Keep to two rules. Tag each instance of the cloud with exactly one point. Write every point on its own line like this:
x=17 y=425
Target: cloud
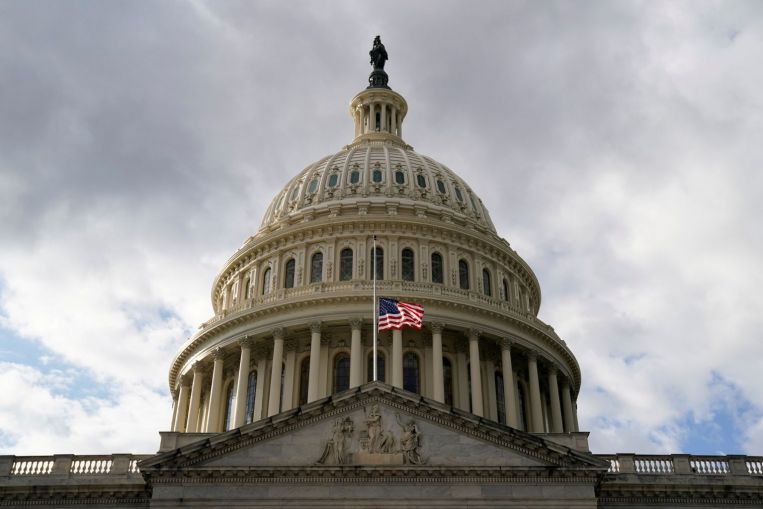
x=616 y=146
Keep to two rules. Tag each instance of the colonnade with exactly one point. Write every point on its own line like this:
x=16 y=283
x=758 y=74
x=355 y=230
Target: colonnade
x=553 y=411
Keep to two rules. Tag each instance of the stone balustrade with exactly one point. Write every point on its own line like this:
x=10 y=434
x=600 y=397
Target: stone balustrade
x=684 y=464
x=71 y=466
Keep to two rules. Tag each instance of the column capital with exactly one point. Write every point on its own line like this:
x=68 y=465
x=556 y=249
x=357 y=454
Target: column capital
x=185 y=379
x=473 y=334
x=246 y=342
x=260 y=351
x=436 y=327
x=565 y=382
x=290 y=344
x=356 y=323
x=551 y=368
x=506 y=343
x=218 y=354
x=278 y=333
x=532 y=355
x=198 y=367
x=315 y=327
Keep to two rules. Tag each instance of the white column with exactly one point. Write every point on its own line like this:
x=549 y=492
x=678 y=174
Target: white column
x=397 y=358
x=556 y=407
x=182 y=406
x=356 y=354
x=383 y=117
x=535 y=405
x=313 y=391
x=193 y=409
x=274 y=400
x=175 y=396
x=371 y=118
x=239 y=416
x=215 y=395
x=438 y=382
x=393 y=123
x=474 y=371
x=569 y=421
x=509 y=393
x=259 y=392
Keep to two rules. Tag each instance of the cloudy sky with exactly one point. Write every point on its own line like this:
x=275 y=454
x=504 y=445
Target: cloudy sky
x=616 y=144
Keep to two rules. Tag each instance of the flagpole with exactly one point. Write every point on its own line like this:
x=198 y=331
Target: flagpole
x=376 y=313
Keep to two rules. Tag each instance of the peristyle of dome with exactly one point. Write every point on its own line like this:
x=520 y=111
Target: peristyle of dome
x=293 y=306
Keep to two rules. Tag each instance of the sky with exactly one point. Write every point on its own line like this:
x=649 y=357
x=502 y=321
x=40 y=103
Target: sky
x=617 y=146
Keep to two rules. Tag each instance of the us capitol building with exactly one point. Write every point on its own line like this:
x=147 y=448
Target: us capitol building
x=274 y=402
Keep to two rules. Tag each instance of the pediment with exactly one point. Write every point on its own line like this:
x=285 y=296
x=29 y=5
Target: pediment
x=374 y=425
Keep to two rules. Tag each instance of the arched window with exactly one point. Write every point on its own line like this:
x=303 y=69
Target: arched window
x=376 y=176
x=486 y=287
x=312 y=186
x=379 y=366
x=230 y=395
x=377 y=255
x=407 y=264
x=251 y=389
x=288 y=276
x=316 y=268
x=440 y=186
x=341 y=372
x=521 y=399
x=421 y=181
x=304 y=379
x=266 y=282
x=354 y=177
x=333 y=180
x=345 y=264
x=459 y=196
x=411 y=372
x=399 y=177
x=437 y=272
x=505 y=290
x=463 y=274
x=447 y=375
x=500 y=402
x=247 y=289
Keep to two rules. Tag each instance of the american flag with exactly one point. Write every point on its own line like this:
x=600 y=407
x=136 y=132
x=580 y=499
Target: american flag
x=394 y=314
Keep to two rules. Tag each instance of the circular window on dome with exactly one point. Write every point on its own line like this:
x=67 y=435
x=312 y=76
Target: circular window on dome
x=440 y=186
x=312 y=186
x=421 y=180
x=399 y=177
x=354 y=177
x=459 y=196
x=376 y=176
x=333 y=179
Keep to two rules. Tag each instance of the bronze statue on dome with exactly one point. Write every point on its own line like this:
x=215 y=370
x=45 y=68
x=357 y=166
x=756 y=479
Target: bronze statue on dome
x=378 y=54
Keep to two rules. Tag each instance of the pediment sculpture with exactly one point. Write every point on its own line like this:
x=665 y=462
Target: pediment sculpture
x=374 y=445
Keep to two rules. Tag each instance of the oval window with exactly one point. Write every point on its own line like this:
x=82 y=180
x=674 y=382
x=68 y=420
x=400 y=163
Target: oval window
x=313 y=186
x=376 y=176
x=333 y=179
x=399 y=177
x=459 y=196
x=354 y=177
x=421 y=180
x=295 y=193
x=441 y=186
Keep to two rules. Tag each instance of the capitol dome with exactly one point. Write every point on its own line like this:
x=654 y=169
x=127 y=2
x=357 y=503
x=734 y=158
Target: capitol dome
x=293 y=307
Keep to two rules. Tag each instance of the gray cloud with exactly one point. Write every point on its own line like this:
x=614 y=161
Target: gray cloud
x=616 y=146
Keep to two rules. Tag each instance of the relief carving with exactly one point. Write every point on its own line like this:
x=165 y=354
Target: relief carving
x=336 y=451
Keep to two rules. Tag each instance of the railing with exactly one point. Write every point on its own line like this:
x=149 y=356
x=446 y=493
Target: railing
x=683 y=464
x=70 y=465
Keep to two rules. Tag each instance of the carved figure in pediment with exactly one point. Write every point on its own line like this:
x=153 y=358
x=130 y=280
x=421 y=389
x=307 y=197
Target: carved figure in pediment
x=410 y=442
x=379 y=440
x=336 y=451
